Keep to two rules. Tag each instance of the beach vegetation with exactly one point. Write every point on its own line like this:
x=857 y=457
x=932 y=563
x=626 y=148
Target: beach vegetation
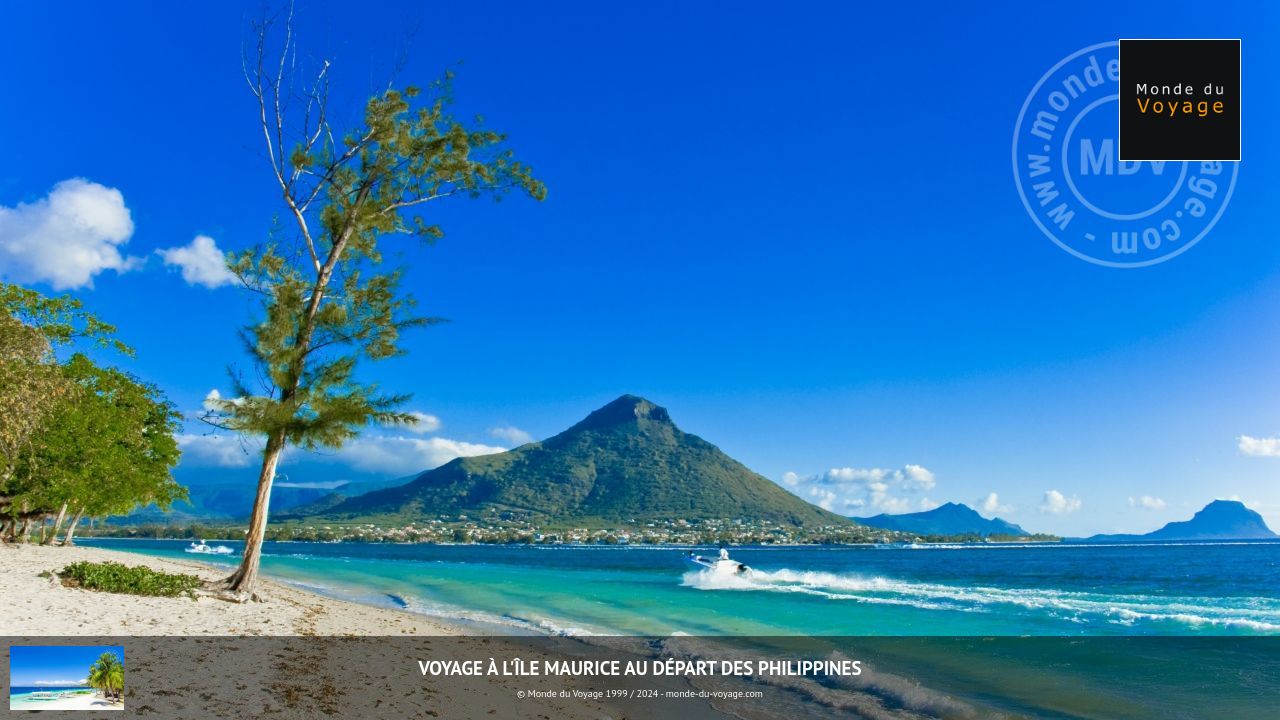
x=77 y=438
x=328 y=298
x=107 y=675
x=129 y=580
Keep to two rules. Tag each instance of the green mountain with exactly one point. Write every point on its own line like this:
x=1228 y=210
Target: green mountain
x=948 y=519
x=624 y=463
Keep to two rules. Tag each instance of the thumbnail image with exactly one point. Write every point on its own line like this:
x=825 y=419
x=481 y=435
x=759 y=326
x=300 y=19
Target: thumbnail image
x=66 y=677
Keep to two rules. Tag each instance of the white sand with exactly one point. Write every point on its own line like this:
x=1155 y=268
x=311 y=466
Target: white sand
x=32 y=605
x=78 y=702
x=298 y=675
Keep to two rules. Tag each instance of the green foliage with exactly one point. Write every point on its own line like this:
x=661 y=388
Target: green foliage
x=130 y=580
x=75 y=437
x=30 y=387
x=107 y=674
x=62 y=320
x=626 y=462
x=106 y=448
x=329 y=300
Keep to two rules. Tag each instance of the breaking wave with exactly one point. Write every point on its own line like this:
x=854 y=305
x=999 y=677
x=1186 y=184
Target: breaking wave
x=1135 y=612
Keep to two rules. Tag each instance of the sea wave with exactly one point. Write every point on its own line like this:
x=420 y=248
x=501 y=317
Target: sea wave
x=533 y=625
x=1149 y=612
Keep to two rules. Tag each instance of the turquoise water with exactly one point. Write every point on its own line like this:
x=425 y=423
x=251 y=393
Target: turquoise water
x=26 y=698
x=1227 y=588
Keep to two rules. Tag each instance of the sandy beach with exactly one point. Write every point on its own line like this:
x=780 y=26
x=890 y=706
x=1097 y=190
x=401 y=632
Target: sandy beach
x=295 y=655
x=34 y=605
x=78 y=701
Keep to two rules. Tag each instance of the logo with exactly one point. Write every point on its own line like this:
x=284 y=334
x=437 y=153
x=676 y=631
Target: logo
x=1107 y=211
x=1180 y=100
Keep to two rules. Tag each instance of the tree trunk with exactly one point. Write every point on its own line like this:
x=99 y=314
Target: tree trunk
x=26 y=530
x=57 y=526
x=243 y=580
x=71 y=529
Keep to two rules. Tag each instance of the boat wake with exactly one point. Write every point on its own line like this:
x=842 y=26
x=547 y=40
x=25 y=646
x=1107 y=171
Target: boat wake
x=1136 y=613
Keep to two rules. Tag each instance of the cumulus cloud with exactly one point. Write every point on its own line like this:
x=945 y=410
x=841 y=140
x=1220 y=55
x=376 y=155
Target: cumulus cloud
x=1058 y=504
x=426 y=423
x=221 y=450
x=397 y=455
x=392 y=455
x=864 y=491
x=1259 y=447
x=66 y=238
x=991 y=505
x=201 y=262
x=511 y=434
x=214 y=402
x=1147 y=502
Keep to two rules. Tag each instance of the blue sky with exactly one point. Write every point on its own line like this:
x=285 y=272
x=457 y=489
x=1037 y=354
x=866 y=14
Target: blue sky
x=794 y=227
x=55 y=665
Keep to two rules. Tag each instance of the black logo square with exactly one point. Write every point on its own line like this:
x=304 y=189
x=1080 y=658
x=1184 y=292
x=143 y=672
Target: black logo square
x=1179 y=100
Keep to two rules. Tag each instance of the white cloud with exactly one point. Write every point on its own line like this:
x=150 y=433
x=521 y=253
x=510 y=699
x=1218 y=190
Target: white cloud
x=392 y=455
x=214 y=402
x=511 y=434
x=1260 y=447
x=991 y=505
x=66 y=238
x=201 y=262
x=1057 y=503
x=919 y=478
x=396 y=455
x=1147 y=502
x=221 y=450
x=426 y=423
x=865 y=491
x=59 y=683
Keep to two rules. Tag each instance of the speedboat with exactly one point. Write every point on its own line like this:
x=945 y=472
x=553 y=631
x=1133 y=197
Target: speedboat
x=718 y=565
x=203 y=548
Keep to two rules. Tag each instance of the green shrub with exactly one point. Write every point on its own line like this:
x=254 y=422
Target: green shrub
x=118 y=578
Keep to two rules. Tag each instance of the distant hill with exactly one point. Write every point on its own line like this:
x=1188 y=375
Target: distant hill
x=626 y=462
x=227 y=501
x=949 y=519
x=1219 y=520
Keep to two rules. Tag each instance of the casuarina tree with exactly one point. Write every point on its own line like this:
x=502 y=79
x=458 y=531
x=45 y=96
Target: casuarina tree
x=329 y=300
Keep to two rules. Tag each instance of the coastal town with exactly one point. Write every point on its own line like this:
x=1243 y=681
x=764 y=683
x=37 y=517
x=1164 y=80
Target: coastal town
x=499 y=530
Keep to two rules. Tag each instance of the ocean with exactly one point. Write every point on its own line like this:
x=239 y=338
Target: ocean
x=1121 y=632
x=32 y=698
x=1212 y=588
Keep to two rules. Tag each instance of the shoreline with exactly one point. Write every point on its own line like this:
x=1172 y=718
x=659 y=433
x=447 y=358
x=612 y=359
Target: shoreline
x=314 y=646
x=34 y=605
x=78 y=701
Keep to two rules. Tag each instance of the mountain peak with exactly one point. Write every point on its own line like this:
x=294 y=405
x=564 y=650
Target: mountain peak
x=948 y=519
x=625 y=409
x=625 y=463
x=1219 y=520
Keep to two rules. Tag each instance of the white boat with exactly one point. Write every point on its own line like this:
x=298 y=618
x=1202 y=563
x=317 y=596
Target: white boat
x=203 y=548
x=718 y=565
x=42 y=695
